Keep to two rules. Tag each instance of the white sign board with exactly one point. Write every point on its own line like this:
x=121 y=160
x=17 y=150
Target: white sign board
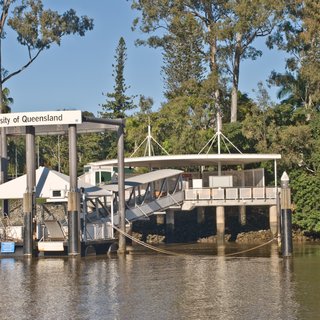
x=40 y=118
x=50 y=246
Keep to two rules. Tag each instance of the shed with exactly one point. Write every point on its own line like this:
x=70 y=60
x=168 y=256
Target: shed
x=50 y=184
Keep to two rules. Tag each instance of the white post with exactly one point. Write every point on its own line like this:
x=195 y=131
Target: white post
x=149 y=140
x=112 y=213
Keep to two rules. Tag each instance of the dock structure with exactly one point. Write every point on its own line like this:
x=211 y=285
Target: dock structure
x=71 y=123
x=223 y=180
x=145 y=194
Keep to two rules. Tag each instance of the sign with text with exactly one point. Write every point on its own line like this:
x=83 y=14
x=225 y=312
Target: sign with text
x=40 y=118
x=7 y=247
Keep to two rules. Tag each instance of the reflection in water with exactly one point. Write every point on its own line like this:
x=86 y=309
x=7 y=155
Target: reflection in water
x=151 y=286
x=306 y=273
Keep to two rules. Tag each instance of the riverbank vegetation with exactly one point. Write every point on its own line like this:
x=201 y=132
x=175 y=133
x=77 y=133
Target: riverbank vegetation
x=203 y=45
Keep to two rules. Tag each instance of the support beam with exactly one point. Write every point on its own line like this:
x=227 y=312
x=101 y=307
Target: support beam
x=29 y=195
x=74 y=248
x=121 y=194
x=4 y=168
x=273 y=219
x=27 y=224
x=242 y=215
x=220 y=222
x=170 y=226
x=201 y=215
x=160 y=219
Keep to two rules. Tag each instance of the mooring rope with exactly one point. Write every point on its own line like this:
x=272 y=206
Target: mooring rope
x=144 y=244
x=147 y=245
x=251 y=249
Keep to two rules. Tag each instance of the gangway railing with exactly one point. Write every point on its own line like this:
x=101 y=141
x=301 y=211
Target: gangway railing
x=155 y=205
x=152 y=192
x=230 y=196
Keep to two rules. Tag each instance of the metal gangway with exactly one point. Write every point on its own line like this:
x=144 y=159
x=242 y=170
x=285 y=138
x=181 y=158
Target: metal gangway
x=149 y=193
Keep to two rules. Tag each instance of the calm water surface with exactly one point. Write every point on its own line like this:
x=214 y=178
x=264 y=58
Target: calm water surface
x=142 y=285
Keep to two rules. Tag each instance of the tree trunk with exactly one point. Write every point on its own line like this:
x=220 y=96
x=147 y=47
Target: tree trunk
x=235 y=79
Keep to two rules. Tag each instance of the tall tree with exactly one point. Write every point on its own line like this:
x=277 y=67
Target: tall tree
x=183 y=56
x=118 y=103
x=160 y=18
x=37 y=29
x=299 y=35
x=245 y=22
x=225 y=29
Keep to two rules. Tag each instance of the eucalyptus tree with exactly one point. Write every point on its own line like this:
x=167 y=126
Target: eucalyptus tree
x=245 y=21
x=37 y=30
x=299 y=35
x=166 y=21
x=310 y=66
x=223 y=32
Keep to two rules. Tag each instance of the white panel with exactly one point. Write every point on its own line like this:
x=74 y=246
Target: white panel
x=190 y=194
x=14 y=232
x=245 y=193
x=232 y=193
x=196 y=183
x=258 y=193
x=220 y=181
x=270 y=193
x=204 y=194
x=218 y=194
x=50 y=246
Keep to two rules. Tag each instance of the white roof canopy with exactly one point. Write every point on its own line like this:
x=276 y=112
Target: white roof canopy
x=144 y=178
x=186 y=160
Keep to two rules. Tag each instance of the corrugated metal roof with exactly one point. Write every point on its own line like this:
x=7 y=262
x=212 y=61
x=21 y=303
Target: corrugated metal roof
x=144 y=178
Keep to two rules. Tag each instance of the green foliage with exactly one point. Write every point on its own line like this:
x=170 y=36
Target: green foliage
x=183 y=55
x=118 y=103
x=305 y=194
x=299 y=35
x=203 y=44
x=38 y=28
x=206 y=35
x=16 y=156
x=6 y=101
x=54 y=152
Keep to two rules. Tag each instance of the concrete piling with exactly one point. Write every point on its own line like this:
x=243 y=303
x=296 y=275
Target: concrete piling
x=220 y=222
x=273 y=220
x=242 y=215
x=170 y=226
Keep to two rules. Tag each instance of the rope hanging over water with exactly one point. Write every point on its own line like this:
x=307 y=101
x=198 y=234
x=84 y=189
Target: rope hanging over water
x=147 y=245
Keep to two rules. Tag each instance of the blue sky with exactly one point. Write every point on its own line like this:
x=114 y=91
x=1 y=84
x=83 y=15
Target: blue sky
x=75 y=74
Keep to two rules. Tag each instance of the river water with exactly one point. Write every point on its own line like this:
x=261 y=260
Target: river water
x=145 y=285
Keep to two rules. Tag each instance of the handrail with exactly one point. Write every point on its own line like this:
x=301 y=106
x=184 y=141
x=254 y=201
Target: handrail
x=235 y=193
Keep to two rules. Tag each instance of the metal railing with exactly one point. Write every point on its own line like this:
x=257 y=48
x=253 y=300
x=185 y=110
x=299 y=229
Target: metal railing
x=231 y=194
